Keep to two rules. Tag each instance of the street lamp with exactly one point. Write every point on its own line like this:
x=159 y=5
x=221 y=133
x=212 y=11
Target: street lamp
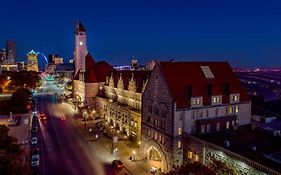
x=134 y=155
x=85 y=117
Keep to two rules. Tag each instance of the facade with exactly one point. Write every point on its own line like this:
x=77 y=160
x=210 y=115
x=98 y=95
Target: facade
x=189 y=97
x=8 y=57
x=119 y=101
x=55 y=59
x=11 y=52
x=32 y=61
x=89 y=76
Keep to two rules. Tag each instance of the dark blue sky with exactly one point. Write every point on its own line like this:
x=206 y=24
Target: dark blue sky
x=243 y=32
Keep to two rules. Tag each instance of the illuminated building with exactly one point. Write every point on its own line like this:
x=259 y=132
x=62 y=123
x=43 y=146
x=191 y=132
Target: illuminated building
x=32 y=61
x=89 y=75
x=191 y=98
x=55 y=59
x=8 y=57
x=119 y=102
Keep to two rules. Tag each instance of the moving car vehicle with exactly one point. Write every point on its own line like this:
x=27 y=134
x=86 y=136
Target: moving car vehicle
x=42 y=116
x=117 y=164
x=35 y=152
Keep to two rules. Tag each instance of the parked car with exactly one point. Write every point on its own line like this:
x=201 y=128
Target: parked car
x=117 y=164
x=34 y=161
x=34 y=140
x=35 y=152
x=34 y=129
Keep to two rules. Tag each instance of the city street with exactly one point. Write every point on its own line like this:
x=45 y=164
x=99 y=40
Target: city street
x=62 y=150
x=66 y=149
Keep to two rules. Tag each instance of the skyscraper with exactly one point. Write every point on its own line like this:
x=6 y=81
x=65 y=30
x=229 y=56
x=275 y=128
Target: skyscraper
x=32 y=61
x=11 y=52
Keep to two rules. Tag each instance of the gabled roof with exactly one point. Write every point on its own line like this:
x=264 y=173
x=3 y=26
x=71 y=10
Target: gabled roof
x=102 y=69
x=140 y=78
x=182 y=75
x=90 y=75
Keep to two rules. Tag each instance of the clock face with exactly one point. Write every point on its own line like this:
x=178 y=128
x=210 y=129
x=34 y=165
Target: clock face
x=81 y=43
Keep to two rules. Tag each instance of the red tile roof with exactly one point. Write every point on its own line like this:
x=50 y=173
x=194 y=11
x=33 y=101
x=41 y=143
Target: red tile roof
x=181 y=75
x=90 y=75
x=102 y=69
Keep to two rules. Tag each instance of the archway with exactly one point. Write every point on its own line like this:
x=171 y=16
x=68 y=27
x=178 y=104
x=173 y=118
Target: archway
x=155 y=155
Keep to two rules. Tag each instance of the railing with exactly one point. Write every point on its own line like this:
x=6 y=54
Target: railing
x=236 y=156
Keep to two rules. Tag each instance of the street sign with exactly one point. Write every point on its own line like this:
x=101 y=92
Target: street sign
x=115 y=139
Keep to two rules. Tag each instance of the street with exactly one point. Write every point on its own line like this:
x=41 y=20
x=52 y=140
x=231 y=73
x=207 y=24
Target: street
x=66 y=149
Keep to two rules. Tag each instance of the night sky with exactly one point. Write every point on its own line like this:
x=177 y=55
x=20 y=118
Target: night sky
x=243 y=32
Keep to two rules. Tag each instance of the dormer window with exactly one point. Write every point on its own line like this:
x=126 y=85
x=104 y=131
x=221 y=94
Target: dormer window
x=216 y=100
x=234 y=98
x=196 y=101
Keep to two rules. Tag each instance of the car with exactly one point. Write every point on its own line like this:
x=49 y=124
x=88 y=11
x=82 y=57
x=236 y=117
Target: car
x=117 y=164
x=34 y=161
x=42 y=116
x=34 y=130
x=35 y=152
x=34 y=140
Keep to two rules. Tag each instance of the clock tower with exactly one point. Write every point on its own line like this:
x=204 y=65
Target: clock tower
x=81 y=51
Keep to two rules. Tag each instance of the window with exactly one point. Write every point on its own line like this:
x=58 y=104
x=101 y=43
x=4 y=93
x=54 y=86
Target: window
x=189 y=155
x=196 y=157
x=208 y=128
x=218 y=126
x=230 y=110
x=236 y=109
x=180 y=131
x=196 y=101
x=227 y=125
x=234 y=98
x=217 y=111
x=179 y=144
x=207 y=72
x=216 y=99
x=193 y=114
x=225 y=111
x=207 y=113
x=202 y=129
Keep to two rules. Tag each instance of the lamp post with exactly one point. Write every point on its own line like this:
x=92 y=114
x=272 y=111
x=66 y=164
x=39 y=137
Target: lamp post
x=85 y=119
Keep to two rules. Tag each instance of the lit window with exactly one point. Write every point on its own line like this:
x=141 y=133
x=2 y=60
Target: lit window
x=230 y=110
x=216 y=99
x=196 y=157
x=236 y=109
x=179 y=144
x=180 y=131
x=189 y=155
x=227 y=125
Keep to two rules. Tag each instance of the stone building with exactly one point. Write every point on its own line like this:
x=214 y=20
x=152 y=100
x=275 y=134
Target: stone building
x=192 y=98
x=89 y=75
x=119 y=101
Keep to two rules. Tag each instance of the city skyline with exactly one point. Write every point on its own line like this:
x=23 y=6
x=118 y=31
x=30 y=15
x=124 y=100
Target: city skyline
x=243 y=33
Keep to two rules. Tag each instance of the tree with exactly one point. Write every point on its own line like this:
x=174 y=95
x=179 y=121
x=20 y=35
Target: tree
x=20 y=99
x=222 y=168
x=9 y=153
x=194 y=168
